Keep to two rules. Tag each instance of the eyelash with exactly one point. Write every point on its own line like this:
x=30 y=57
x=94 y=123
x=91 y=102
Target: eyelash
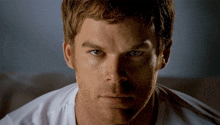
x=95 y=51
x=139 y=53
x=134 y=53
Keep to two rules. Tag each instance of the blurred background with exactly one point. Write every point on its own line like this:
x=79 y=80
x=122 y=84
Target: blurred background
x=32 y=62
x=31 y=38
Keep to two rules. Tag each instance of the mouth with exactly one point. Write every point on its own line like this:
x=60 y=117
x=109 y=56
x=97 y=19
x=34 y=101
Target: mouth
x=114 y=96
x=116 y=99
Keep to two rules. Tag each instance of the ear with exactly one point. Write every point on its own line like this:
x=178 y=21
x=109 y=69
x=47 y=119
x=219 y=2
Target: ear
x=165 y=55
x=68 y=54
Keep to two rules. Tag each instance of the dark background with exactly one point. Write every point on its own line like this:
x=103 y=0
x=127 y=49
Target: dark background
x=31 y=38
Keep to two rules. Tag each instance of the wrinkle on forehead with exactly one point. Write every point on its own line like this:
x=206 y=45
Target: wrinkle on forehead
x=121 y=36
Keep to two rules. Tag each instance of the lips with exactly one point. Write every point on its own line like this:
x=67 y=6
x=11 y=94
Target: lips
x=113 y=101
x=116 y=98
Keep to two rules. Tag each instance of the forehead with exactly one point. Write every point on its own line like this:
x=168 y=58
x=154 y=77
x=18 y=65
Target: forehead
x=128 y=32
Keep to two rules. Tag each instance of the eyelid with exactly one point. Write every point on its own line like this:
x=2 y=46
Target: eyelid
x=140 y=53
x=100 y=51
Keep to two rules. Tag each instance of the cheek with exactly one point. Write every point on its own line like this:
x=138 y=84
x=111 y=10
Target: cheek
x=84 y=64
x=87 y=71
x=144 y=68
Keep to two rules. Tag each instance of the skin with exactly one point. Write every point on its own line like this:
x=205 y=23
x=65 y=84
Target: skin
x=116 y=68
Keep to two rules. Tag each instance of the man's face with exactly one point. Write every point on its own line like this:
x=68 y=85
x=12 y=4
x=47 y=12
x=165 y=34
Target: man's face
x=116 y=68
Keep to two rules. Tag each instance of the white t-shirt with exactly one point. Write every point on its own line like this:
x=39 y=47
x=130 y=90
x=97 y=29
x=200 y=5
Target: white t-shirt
x=53 y=108
x=57 y=108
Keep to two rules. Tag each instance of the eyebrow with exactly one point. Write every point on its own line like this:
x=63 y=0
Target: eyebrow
x=138 y=46
x=91 y=45
x=141 y=45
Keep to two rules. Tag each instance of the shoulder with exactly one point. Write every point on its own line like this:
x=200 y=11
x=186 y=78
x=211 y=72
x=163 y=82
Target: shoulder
x=42 y=107
x=182 y=108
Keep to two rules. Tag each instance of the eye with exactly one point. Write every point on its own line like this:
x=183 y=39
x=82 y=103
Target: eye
x=136 y=53
x=97 y=52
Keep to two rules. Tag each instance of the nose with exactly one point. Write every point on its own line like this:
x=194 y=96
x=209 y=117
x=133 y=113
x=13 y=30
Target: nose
x=115 y=70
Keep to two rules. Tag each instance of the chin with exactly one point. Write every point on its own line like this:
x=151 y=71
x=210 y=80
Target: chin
x=119 y=116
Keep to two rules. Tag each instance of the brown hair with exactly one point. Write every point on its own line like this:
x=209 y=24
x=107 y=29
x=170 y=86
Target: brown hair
x=157 y=13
